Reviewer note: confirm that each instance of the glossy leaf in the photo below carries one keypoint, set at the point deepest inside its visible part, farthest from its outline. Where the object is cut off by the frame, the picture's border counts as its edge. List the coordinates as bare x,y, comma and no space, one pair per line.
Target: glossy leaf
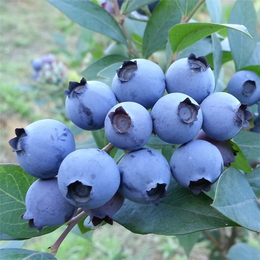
249,143
254,178
187,6
214,7
243,251
100,138
254,68
91,16
242,47
180,212
240,162
217,56
132,5
255,59
157,29
202,47
22,254
188,241
236,200
93,69
183,35
14,183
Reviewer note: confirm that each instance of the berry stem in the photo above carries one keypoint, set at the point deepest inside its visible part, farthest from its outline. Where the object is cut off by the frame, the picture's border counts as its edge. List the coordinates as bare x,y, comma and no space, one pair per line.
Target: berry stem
71,224
108,148
195,9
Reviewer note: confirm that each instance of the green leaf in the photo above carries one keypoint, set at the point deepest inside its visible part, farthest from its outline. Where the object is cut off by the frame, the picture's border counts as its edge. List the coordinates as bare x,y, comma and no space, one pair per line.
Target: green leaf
91,16
132,5
240,162
214,7
243,251
188,241
183,35
241,46
6,237
236,200
13,244
100,138
22,254
101,141
254,68
217,56
14,183
157,29
254,178
249,143
93,69
187,6
201,48
180,212
110,71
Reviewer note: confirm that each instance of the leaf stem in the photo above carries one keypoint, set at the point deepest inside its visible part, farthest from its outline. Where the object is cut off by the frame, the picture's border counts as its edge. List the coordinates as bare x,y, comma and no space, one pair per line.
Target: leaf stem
195,9
72,223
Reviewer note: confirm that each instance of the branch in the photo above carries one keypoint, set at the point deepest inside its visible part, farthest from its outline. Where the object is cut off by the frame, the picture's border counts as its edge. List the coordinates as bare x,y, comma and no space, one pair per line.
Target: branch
72,223
195,9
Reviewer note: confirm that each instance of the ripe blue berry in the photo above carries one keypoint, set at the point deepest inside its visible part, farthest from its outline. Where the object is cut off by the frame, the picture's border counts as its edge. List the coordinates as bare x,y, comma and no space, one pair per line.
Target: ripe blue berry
37,64
106,211
177,118
225,147
88,178
191,76
128,126
245,86
45,206
223,116
196,165
140,81
41,146
87,103
145,176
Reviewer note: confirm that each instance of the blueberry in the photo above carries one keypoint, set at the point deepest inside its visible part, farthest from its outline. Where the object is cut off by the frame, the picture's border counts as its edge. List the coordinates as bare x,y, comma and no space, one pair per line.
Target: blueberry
37,64
225,147
245,86
223,116
106,211
145,176
128,126
191,76
48,58
196,165
45,206
87,103
140,81
88,178
177,118
41,146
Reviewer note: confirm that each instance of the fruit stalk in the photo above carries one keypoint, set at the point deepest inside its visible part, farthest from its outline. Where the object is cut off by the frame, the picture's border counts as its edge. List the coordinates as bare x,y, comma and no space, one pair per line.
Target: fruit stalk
71,224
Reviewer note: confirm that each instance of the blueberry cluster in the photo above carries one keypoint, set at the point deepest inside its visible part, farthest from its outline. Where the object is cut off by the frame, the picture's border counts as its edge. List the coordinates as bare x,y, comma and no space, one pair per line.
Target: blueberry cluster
47,69
180,108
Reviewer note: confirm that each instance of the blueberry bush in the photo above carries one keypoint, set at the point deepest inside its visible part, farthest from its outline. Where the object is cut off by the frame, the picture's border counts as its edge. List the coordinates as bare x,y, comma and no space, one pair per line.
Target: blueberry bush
175,147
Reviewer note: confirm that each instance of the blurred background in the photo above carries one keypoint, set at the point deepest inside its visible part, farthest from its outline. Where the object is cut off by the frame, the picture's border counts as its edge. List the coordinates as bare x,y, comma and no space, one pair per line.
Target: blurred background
32,30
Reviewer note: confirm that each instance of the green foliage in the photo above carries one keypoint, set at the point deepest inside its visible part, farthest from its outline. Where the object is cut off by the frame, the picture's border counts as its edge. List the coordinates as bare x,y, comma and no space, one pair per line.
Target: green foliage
14,254
88,14
14,183
166,35
180,212
234,196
